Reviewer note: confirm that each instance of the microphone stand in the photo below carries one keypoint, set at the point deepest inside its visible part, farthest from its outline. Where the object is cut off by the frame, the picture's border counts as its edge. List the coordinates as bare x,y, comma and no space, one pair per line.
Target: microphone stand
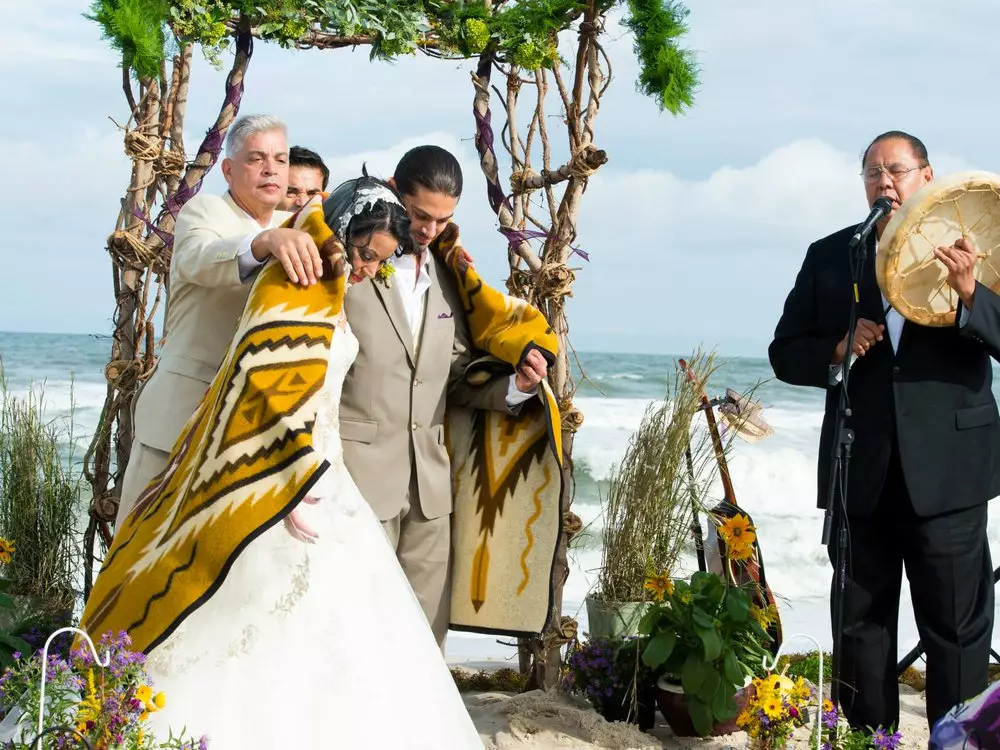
840,459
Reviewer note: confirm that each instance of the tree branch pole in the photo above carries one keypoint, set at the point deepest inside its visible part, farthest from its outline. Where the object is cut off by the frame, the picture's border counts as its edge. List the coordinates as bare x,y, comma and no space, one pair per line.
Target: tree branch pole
547,281
140,250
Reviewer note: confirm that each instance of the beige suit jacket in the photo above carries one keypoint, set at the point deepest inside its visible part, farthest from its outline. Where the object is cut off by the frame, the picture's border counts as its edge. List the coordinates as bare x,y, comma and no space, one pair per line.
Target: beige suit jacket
393,405
206,301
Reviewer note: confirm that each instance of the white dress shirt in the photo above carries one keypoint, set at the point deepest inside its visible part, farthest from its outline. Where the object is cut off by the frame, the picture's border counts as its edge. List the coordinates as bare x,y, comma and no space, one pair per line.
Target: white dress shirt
412,283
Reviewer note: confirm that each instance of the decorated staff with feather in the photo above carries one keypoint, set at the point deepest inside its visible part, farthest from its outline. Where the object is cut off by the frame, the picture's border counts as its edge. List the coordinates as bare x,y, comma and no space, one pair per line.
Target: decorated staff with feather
251,571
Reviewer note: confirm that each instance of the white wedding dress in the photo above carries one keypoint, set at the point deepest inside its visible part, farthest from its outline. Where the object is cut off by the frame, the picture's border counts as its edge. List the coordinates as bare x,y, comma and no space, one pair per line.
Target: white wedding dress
313,645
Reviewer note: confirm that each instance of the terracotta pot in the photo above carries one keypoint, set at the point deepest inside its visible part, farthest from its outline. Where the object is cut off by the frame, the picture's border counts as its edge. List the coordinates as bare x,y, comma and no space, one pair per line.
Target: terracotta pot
671,701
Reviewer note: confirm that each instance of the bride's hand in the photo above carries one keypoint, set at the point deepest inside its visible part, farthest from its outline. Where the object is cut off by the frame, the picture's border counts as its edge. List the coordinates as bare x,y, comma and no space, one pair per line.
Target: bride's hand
296,527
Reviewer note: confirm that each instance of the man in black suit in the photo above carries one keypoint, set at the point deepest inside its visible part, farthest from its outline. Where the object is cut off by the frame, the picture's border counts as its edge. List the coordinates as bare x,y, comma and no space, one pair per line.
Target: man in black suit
925,460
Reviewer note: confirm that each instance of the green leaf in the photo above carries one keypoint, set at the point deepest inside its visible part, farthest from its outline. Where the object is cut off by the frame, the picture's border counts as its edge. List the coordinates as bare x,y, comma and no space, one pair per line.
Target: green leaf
659,649
6,602
737,605
14,643
701,618
731,669
710,642
701,716
724,704
709,685
693,674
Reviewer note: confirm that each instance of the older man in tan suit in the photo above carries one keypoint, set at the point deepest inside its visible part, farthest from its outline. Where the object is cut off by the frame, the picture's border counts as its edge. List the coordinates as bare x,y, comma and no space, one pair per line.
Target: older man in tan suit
219,243
414,347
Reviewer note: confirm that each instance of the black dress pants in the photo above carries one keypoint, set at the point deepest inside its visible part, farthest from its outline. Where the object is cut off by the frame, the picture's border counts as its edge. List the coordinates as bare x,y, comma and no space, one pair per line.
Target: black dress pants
947,562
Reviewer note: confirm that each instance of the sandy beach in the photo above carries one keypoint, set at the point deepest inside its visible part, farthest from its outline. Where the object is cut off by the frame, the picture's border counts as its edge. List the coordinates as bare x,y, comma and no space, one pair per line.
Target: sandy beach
555,720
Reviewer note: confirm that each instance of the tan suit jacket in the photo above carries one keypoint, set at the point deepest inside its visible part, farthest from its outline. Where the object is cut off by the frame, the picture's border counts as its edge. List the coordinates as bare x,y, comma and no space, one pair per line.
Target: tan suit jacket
393,405
206,301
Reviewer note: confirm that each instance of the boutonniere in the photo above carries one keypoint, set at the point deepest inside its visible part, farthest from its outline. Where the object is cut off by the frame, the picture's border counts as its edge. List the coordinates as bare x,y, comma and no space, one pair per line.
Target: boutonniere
385,272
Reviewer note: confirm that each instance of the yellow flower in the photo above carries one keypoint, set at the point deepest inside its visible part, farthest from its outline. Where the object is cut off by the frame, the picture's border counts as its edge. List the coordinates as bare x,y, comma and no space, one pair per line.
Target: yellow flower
827,705
773,707
738,532
385,270
744,719
659,585
143,694
801,692
160,700
685,598
761,616
6,550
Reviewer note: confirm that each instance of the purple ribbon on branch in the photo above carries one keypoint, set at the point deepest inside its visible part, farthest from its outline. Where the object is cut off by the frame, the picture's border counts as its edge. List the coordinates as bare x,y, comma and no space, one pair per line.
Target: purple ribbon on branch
517,236
212,144
485,139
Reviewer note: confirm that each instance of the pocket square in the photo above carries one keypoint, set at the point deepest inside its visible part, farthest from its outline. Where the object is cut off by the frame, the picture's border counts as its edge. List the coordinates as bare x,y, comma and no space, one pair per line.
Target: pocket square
442,316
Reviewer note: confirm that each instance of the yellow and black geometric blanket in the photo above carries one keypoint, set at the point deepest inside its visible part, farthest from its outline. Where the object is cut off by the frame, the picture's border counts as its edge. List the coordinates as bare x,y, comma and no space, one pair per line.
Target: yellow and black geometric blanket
507,470
244,460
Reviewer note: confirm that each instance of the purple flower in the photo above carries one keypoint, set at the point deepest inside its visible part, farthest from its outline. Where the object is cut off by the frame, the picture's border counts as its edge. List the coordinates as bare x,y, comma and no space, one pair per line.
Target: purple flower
886,741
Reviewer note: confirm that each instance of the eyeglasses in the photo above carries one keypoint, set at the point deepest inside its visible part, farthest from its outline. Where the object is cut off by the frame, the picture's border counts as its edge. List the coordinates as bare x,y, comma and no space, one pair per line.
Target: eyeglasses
895,171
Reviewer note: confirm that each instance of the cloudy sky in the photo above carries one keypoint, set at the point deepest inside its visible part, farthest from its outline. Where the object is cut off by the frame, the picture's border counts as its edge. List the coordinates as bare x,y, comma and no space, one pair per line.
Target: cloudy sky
695,228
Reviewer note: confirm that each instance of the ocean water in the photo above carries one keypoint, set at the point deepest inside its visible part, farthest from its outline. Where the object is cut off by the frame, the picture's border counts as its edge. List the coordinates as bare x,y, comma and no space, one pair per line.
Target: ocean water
774,479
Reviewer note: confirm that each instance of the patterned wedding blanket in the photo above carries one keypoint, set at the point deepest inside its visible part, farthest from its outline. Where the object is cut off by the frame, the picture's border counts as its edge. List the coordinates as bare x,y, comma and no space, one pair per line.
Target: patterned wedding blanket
507,470
244,460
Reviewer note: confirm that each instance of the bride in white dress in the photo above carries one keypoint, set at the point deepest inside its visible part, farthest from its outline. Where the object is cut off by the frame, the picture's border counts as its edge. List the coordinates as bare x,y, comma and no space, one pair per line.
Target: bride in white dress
315,639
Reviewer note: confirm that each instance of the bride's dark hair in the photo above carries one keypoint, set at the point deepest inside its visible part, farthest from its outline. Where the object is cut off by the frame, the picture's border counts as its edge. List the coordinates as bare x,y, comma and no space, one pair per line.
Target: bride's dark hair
382,215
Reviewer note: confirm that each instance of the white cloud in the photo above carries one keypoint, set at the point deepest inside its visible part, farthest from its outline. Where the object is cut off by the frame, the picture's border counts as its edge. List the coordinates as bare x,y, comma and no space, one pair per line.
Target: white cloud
48,31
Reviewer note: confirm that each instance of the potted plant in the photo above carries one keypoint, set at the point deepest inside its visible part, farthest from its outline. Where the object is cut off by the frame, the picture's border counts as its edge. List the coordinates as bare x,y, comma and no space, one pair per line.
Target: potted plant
650,504
705,641
610,674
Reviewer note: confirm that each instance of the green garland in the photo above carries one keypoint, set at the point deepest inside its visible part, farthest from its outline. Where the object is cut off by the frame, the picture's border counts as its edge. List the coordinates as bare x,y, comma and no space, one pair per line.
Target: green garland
524,32
668,73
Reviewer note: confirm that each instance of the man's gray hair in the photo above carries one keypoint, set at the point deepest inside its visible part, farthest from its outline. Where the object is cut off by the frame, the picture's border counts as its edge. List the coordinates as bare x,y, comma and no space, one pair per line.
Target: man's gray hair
249,125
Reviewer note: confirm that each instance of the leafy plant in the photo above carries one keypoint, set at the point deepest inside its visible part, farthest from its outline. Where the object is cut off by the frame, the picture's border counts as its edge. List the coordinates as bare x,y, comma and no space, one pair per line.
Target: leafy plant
39,503
707,636
836,734
608,673
652,496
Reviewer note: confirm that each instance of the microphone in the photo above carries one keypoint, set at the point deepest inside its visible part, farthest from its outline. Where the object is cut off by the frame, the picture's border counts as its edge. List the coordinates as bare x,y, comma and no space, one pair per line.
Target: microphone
880,208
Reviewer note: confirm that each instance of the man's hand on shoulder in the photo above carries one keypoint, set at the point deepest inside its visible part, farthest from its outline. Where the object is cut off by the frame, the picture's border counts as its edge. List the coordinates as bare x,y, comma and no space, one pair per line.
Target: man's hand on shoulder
295,250
531,372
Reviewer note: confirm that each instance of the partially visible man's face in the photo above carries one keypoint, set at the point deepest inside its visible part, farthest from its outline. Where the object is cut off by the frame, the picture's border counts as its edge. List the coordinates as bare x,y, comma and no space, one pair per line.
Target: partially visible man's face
303,183
429,214
257,174
893,171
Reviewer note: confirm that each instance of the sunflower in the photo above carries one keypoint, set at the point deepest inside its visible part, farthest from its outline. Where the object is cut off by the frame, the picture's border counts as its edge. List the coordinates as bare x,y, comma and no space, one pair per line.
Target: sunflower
773,707
738,531
659,585
6,550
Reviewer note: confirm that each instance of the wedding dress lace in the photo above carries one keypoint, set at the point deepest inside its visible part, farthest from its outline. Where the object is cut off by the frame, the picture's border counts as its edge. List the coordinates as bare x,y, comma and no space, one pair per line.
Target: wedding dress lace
313,645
